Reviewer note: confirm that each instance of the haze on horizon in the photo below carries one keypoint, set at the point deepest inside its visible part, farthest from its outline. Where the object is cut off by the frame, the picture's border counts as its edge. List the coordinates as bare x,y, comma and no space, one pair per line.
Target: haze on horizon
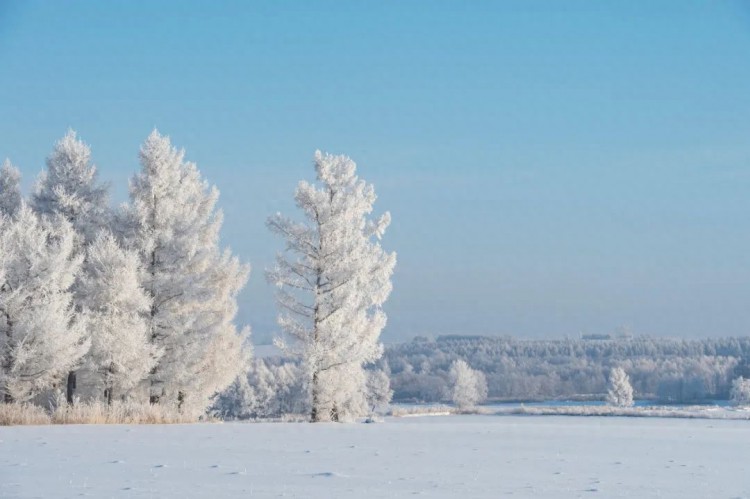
551,167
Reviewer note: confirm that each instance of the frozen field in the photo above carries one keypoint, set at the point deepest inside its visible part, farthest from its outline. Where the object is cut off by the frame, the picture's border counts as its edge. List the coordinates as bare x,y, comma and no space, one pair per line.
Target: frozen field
456,456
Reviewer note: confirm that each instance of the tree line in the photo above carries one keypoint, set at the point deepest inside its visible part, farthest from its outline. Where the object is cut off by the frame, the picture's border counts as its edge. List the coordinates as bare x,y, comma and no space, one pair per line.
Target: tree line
666,369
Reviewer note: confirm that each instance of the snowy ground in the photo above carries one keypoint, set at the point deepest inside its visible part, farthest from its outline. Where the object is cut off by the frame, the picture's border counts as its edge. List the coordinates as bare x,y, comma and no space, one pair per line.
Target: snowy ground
453,456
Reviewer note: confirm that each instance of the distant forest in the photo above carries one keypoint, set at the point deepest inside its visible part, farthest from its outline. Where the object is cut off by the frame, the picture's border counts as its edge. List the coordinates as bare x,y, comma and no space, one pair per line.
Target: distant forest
662,369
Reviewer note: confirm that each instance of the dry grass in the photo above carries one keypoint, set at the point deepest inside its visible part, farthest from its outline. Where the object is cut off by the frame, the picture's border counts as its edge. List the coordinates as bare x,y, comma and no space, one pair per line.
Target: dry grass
424,410
23,414
92,413
689,412
118,413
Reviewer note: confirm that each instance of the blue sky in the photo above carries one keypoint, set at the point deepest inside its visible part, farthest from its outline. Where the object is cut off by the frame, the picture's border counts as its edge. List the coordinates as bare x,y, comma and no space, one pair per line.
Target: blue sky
551,167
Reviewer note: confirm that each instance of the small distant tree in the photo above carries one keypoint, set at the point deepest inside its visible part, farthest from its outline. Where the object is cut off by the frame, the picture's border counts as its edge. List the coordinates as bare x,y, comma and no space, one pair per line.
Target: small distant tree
267,390
620,393
379,393
740,394
469,386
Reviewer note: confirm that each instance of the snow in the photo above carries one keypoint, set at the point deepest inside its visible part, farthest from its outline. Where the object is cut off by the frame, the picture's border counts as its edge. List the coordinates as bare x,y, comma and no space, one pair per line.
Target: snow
455,456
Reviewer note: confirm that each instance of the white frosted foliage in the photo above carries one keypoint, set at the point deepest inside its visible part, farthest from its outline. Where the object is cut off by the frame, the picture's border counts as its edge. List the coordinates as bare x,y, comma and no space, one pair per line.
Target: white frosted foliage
332,281
173,224
70,187
468,386
740,393
10,190
40,339
620,393
116,307
379,393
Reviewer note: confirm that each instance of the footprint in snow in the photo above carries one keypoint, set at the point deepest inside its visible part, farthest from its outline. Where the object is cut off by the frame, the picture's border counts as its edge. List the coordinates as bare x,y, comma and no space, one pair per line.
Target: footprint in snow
327,474
117,461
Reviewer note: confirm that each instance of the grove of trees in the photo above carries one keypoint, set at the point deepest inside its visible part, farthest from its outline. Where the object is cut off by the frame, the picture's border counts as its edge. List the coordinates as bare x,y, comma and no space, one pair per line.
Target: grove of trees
135,303
138,303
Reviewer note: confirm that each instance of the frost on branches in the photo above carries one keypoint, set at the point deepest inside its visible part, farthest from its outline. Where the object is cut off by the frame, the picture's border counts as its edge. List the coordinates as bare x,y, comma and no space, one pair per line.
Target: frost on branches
40,338
740,393
379,393
10,190
116,308
332,282
620,393
269,390
173,225
469,386
70,189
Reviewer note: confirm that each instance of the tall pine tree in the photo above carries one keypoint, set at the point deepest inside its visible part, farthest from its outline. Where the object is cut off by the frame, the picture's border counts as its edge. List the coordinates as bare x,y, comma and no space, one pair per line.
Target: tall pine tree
70,188
173,224
332,283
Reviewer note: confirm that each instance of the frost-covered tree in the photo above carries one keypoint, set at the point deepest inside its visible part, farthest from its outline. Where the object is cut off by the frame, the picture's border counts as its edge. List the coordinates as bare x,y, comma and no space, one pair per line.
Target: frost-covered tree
740,393
269,390
173,224
332,283
379,393
10,189
70,188
469,386
116,307
40,339
620,393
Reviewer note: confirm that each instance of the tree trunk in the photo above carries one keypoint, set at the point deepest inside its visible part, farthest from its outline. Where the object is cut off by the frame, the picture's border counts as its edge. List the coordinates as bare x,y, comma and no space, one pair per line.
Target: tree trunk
180,400
71,387
315,415
108,390
153,398
7,362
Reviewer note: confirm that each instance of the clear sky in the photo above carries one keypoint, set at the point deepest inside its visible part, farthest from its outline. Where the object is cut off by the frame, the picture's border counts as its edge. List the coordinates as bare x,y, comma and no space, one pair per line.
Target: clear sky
551,167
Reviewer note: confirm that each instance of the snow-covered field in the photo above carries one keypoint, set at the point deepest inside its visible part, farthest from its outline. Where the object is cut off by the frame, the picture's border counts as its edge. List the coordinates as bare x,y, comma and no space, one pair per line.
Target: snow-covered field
453,456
